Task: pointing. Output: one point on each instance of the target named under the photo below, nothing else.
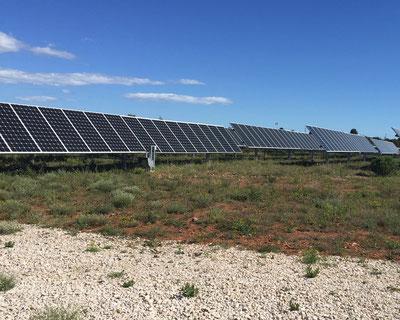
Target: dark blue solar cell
(125, 133)
(385, 147)
(181, 136)
(196, 137)
(107, 131)
(155, 134)
(3, 146)
(211, 137)
(38, 127)
(64, 130)
(87, 131)
(13, 131)
(221, 139)
(169, 136)
(140, 132)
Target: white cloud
(37, 98)
(66, 91)
(10, 44)
(12, 76)
(49, 51)
(173, 97)
(191, 82)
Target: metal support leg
(256, 154)
(289, 155)
(312, 156)
(151, 158)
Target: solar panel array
(31, 129)
(336, 141)
(277, 139)
(397, 131)
(385, 147)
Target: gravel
(52, 268)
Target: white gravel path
(53, 269)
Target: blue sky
(329, 63)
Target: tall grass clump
(13, 209)
(6, 282)
(103, 185)
(9, 228)
(122, 199)
(56, 313)
(90, 220)
(385, 166)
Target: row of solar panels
(318, 139)
(30, 129)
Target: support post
(289, 155)
(151, 158)
(123, 161)
(256, 154)
(348, 157)
(207, 157)
(326, 157)
(264, 154)
(312, 156)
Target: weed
(90, 220)
(128, 284)
(128, 222)
(93, 248)
(267, 248)
(6, 282)
(393, 289)
(110, 230)
(116, 274)
(247, 194)
(152, 243)
(61, 209)
(375, 272)
(189, 291)
(102, 209)
(310, 256)
(122, 199)
(14, 209)
(293, 306)
(311, 273)
(56, 313)
(148, 217)
(9, 244)
(176, 207)
(9, 228)
(103, 185)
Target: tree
(353, 131)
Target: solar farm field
(265, 205)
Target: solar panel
(125, 133)
(14, 133)
(151, 128)
(336, 141)
(385, 147)
(87, 131)
(64, 130)
(195, 135)
(235, 137)
(267, 138)
(181, 136)
(38, 127)
(142, 135)
(169, 136)
(228, 139)
(211, 137)
(397, 131)
(221, 139)
(3, 145)
(108, 133)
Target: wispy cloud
(49, 51)
(9, 43)
(37, 98)
(12, 76)
(173, 97)
(190, 82)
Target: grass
(6, 282)
(9, 244)
(93, 248)
(294, 306)
(189, 291)
(7, 228)
(116, 274)
(244, 202)
(56, 313)
(128, 284)
(310, 256)
(311, 272)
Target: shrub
(310, 256)
(4, 195)
(14, 209)
(6, 282)
(61, 209)
(93, 248)
(247, 194)
(311, 273)
(91, 220)
(9, 244)
(9, 228)
(102, 209)
(384, 166)
(103, 185)
(121, 199)
(109, 230)
(176, 207)
(189, 291)
(293, 306)
(268, 248)
(128, 222)
(242, 226)
(128, 284)
(57, 313)
(202, 200)
(148, 217)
